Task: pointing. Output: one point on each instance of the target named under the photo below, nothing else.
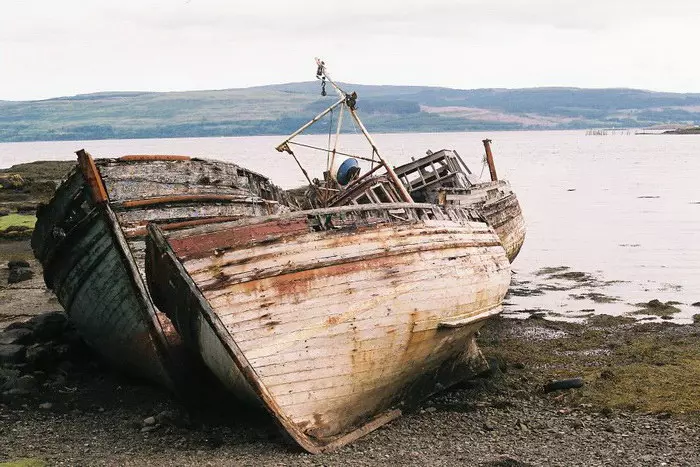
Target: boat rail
(353, 216)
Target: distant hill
(280, 109)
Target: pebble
(16, 392)
(577, 424)
(19, 275)
(12, 353)
(167, 417)
(46, 406)
(17, 263)
(48, 325)
(26, 382)
(16, 336)
(38, 355)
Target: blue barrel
(347, 171)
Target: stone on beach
(16, 336)
(12, 353)
(19, 275)
(17, 263)
(48, 325)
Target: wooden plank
(195, 245)
(199, 198)
(142, 231)
(136, 218)
(152, 158)
(232, 267)
(92, 177)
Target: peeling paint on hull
(334, 332)
(97, 272)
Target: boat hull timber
(442, 177)
(499, 206)
(337, 330)
(90, 241)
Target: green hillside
(280, 109)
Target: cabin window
(414, 179)
(381, 194)
(364, 199)
(441, 168)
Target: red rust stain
(203, 244)
(332, 320)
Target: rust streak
(199, 244)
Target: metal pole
(489, 160)
(337, 135)
(281, 147)
(394, 178)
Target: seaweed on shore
(652, 367)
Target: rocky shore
(22, 188)
(61, 405)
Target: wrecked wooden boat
(336, 319)
(443, 178)
(90, 241)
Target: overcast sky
(64, 47)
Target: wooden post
(489, 160)
(390, 172)
(92, 177)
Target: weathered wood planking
(500, 207)
(99, 278)
(332, 329)
(145, 178)
(442, 178)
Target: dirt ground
(97, 418)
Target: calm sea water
(623, 209)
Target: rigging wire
(483, 166)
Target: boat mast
(349, 101)
(489, 160)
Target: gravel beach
(84, 414)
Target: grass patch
(25, 221)
(24, 463)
